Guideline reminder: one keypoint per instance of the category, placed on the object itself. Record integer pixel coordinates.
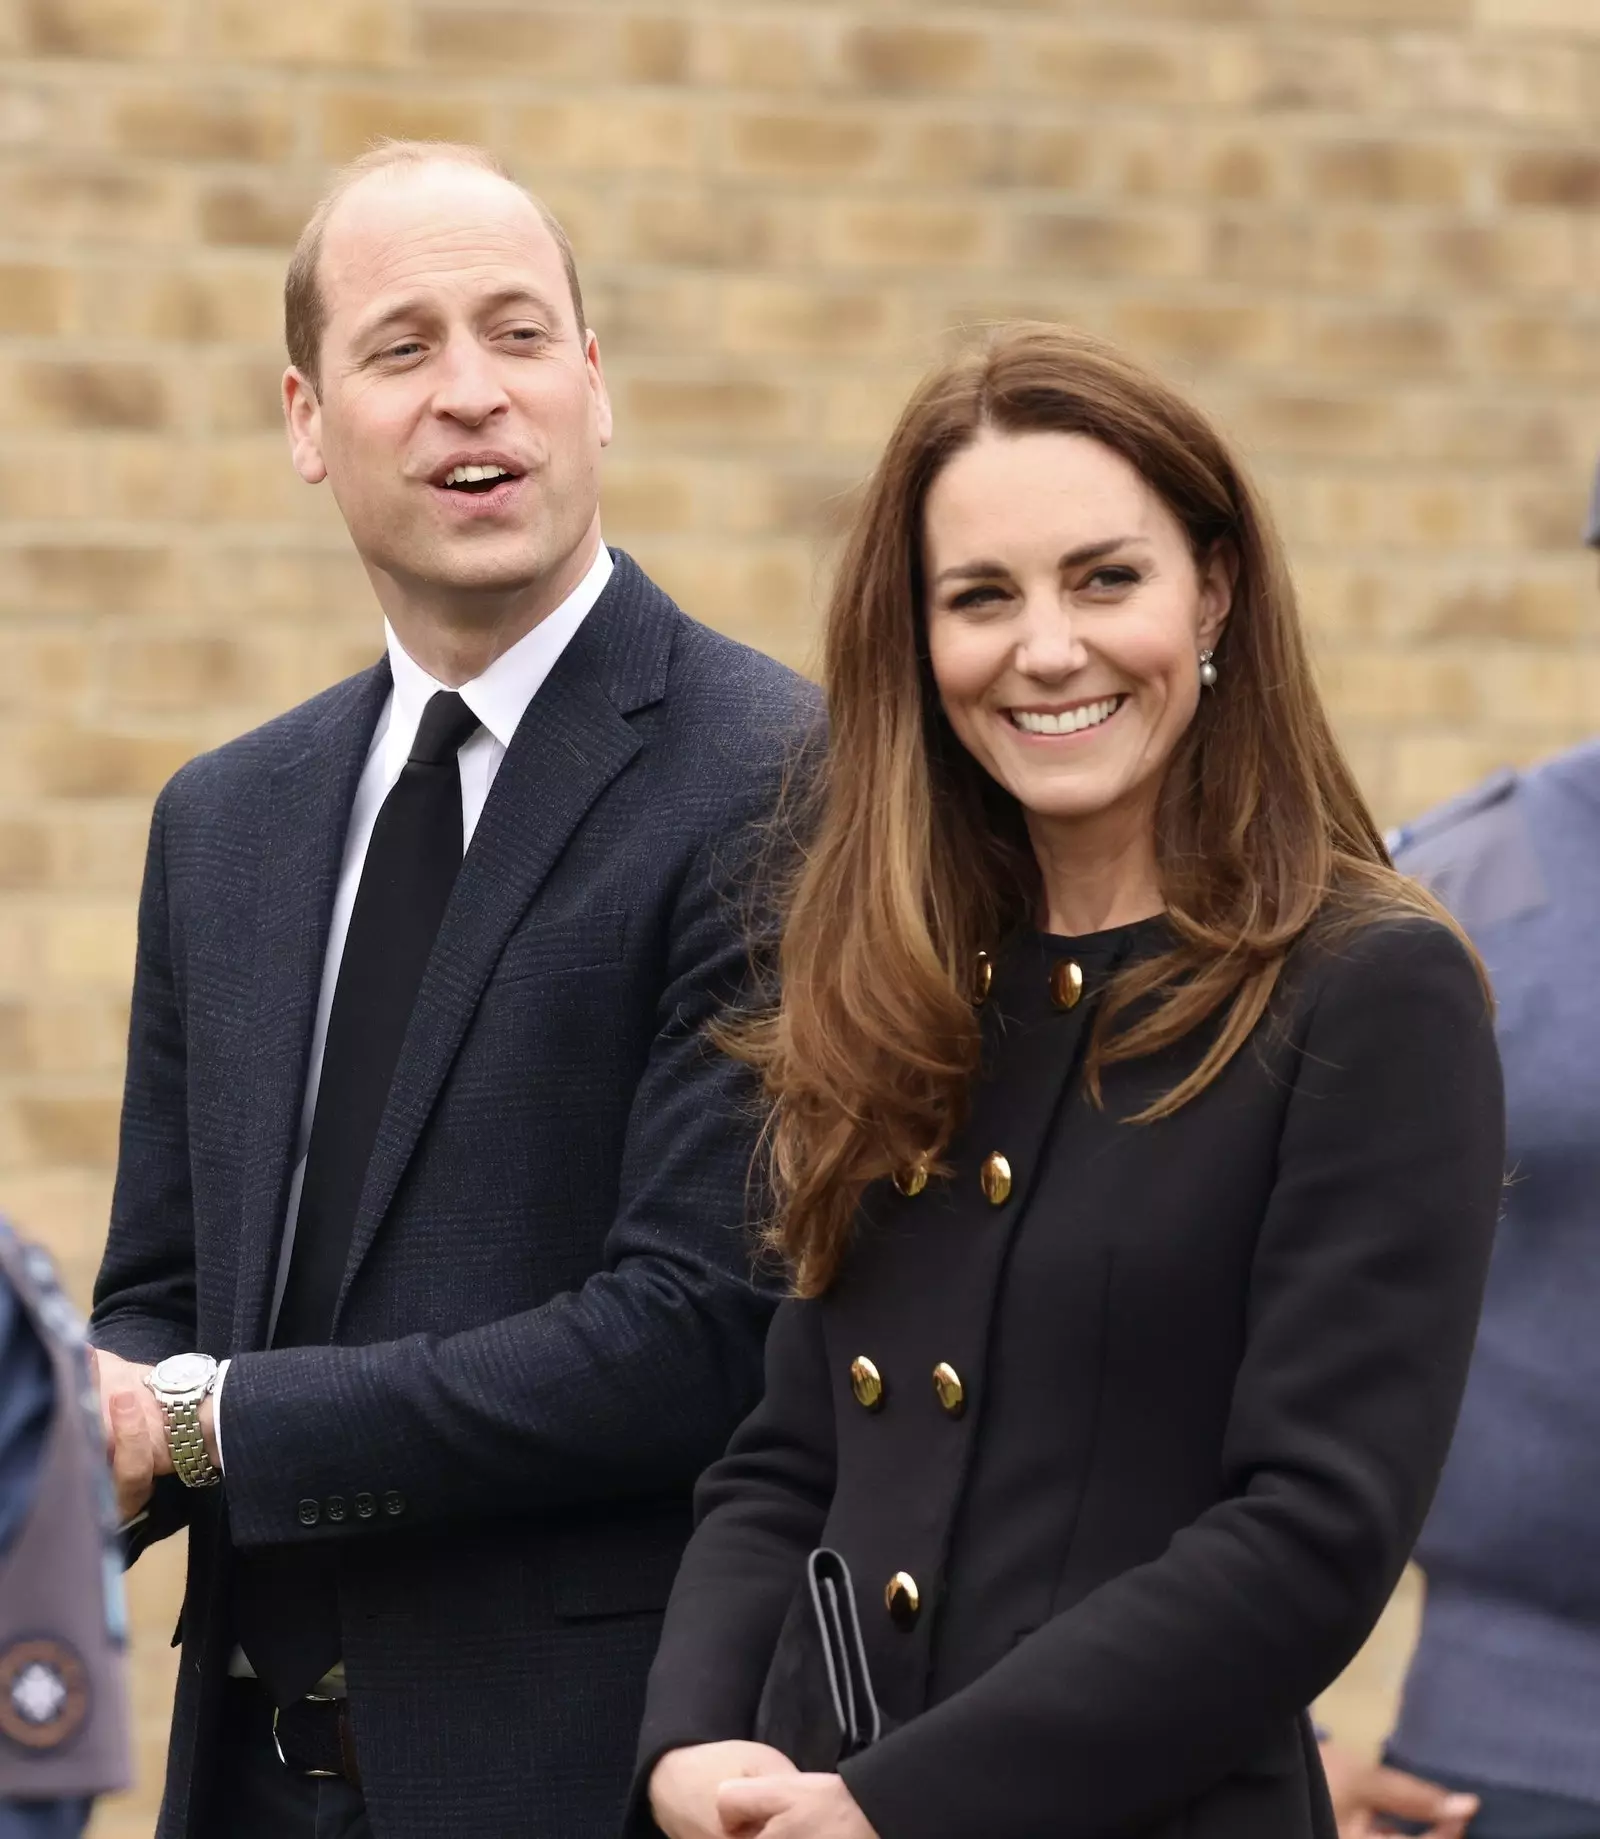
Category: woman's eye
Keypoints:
(977, 597)
(1113, 578)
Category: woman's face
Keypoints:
(1066, 617)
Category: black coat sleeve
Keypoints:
(1363, 1306)
(144, 1298)
(620, 1388)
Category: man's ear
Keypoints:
(597, 384)
(302, 415)
(1219, 578)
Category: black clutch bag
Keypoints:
(818, 1705)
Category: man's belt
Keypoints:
(314, 1738)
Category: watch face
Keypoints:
(184, 1372)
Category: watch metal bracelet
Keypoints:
(193, 1467)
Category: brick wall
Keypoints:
(1362, 230)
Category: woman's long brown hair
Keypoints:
(915, 860)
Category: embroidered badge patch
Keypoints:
(44, 1694)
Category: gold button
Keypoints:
(1066, 983)
(866, 1382)
(913, 1180)
(995, 1176)
(982, 977)
(903, 1599)
(947, 1383)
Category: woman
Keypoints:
(1137, 1142)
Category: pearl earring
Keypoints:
(1208, 670)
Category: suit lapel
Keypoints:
(571, 743)
(307, 815)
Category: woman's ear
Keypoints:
(1219, 577)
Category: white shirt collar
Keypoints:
(500, 697)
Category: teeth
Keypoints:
(471, 475)
(1069, 721)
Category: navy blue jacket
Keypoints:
(548, 1325)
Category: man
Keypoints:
(63, 1722)
(1499, 1733)
(421, 1125)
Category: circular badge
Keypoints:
(44, 1693)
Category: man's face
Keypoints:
(462, 409)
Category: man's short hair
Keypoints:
(305, 313)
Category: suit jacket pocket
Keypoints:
(589, 942)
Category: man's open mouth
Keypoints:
(476, 479)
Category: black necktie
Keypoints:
(286, 1598)
(412, 863)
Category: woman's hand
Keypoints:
(684, 1784)
(790, 1806)
(1367, 1797)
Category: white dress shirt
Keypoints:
(499, 699)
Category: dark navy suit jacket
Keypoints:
(548, 1324)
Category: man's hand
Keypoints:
(1367, 1797)
(791, 1806)
(684, 1784)
(136, 1433)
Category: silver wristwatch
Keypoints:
(179, 1385)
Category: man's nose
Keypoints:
(469, 389)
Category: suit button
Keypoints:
(913, 1180)
(903, 1599)
(1066, 984)
(867, 1383)
(394, 1503)
(310, 1512)
(366, 1506)
(982, 977)
(952, 1394)
(335, 1507)
(995, 1179)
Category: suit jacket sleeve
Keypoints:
(621, 1388)
(144, 1298)
(1365, 1293)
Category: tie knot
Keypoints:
(447, 724)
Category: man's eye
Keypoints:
(527, 335)
(407, 348)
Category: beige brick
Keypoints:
(1203, 334)
(253, 215)
(316, 32)
(90, 943)
(216, 125)
(98, 28)
(100, 764)
(1562, 16)
(1381, 342)
(43, 672)
(62, 201)
(1514, 255)
(1387, 172)
(1054, 156)
(34, 300)
(624, 136)
(805, 145)
(1535, 344)
(1312, 424)
(530, 39)
(45, 393)
(245, 395)
(1090, 67)
(249, 480)
(221, 302)
(703, 227)
(349, 121)
(1261, 249)
(1388, 12)
(906, 235)
(1117, 243)
(172, 672)
(77, 1132)
(914, 57)
(24, 853)
(89, 577)
(940, 151)
(656, 48)
(1567, 178)
(649, 313)
(716, 408)
(1540, 609)
(762, 317)
(759, 54)
(650, 499)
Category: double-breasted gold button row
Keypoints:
(866, 1382)
(1066, 981)
(994, 1177)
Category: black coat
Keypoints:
(548, 1325)
(1209, 1367)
